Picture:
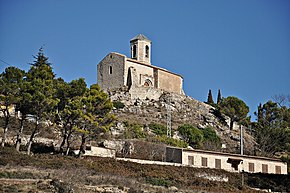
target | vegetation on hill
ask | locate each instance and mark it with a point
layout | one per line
(78, 113)
(200, 138)
(49, 106)
(65, 173)
(71, 107)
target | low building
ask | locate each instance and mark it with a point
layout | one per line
(98, 152)
(137, 73)
(225, 161)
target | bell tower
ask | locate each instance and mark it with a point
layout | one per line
(141, 48)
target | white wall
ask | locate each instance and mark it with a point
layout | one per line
(243, 166)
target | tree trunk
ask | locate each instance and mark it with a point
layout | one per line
(19, 134)
(83, 146)
(64, 140)
(61, 148)
(68, 143)
(5, 131)
(31, 138)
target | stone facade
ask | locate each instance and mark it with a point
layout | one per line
(137, 74)
(226, 161)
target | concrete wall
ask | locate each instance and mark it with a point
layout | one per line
(212, 159)
(108, 80)
(99, 152)
(169, 82)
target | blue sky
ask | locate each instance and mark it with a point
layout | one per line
(240, 47)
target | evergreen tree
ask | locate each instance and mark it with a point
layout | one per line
(209, 98)
(10, 80)
(219, 97)
(70, 108)
(23, 107)
(40, 76)
(96, 117)
(235, 108)
(272, 128)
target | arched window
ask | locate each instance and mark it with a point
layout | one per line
(147, 51)
(134, 51)
(147, 83)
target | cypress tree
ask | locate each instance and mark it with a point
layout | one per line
(219, 98)
(209, 98)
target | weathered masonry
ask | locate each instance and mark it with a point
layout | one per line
(225, 161)
(137, 73)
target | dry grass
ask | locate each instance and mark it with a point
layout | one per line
(73, 173)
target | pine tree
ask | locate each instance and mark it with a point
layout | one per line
(209, 98)
(9, 94)
(234, 108)
(40, 77)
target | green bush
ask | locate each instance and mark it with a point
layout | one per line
(134, 130)
(171, 141)
(158, 182)
(18, 175)
(158, 129)
(193, 135)
(210, 135)
(118, 105)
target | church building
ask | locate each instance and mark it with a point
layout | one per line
(137, 73)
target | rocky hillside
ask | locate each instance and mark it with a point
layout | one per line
(184, 110)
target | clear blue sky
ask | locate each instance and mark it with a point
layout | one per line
(241, 47)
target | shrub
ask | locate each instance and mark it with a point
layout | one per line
(118, 105)
(171, 141)
(134, 130)
(158, 129)
(17, 175)
(210, 135)
(158, 182)
(193, 135)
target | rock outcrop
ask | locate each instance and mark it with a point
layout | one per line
(184, 110)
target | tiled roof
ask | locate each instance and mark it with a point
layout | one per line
(140, 37)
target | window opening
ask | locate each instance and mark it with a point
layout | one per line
(278, 169)
(204, 161)
(147, 83)
(134, 51)
(129, 78)
(190, 160)
(147, 51)
(251, 167)
(110, 70)
(218, 163)
(264, 168)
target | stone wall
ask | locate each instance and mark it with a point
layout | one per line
(140, 69)
(111, 71)
(169, 82)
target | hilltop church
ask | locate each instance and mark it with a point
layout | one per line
(136, 73)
